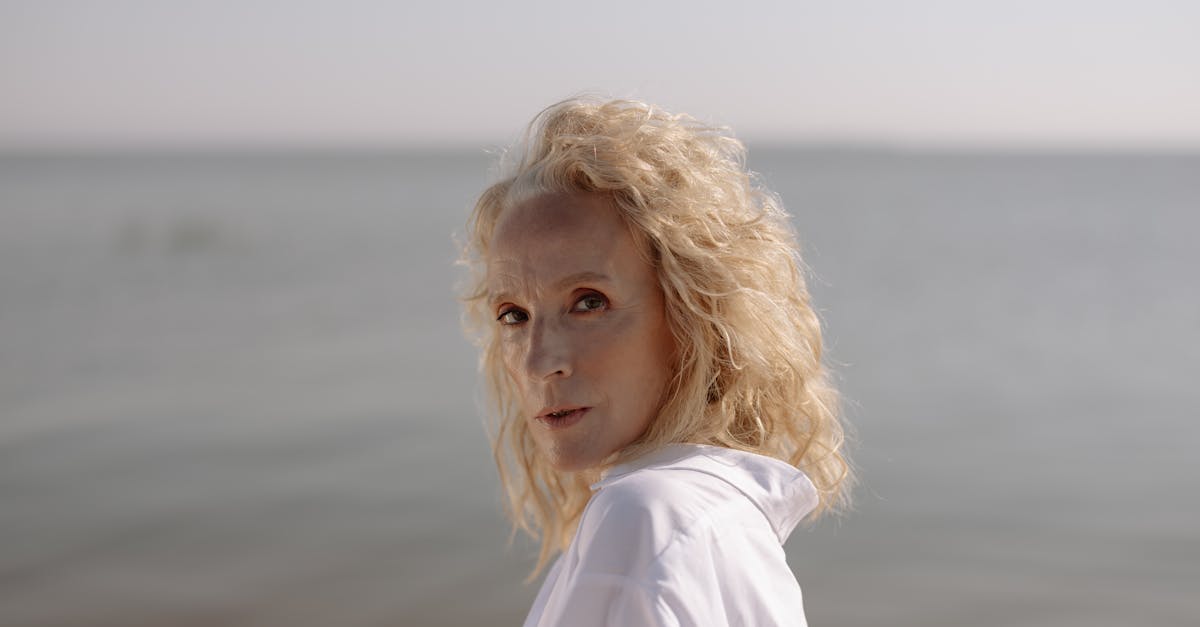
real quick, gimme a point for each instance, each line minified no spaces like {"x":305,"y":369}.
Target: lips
{"x":561,"y":417}
{"x":558,"y":411}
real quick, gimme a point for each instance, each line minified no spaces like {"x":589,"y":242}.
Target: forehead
{"x":557,"y":235}
{"x":557,"y":215}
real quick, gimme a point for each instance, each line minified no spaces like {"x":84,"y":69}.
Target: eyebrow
{"x":586,"y":276}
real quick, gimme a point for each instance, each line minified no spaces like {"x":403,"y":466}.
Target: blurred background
{"x":233,"y":390}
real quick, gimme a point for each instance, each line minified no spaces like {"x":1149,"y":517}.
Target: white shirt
{"x":687,"y":535}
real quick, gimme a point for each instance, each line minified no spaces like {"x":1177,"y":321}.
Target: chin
{"x":572,"y":461}
{"x":563,"y":463}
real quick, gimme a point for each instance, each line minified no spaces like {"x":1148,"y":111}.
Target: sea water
{"x":233,"y":390}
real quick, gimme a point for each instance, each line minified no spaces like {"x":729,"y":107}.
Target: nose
{"x":549,"y":352}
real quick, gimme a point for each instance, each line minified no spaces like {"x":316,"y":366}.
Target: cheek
{"x":658,"y":349}
{"x":509,"y":357}
{"x":507,"y":352}
{"x":643,"y":363}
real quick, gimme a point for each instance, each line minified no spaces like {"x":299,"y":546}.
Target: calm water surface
{"x":233,"y":391}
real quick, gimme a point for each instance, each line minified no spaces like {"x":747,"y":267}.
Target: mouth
{"x":562,"y":417}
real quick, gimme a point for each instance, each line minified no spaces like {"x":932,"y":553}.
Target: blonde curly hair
{"x":748,"y":372}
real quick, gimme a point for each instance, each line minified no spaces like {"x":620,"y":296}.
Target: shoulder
{"x":635,"y":518}
{"x":686,"y":536}
{"x":669,"y":494}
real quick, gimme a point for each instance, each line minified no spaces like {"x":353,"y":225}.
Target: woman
{"x":663,"y":416}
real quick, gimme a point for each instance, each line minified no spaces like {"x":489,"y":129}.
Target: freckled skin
{"x":600,"y":343}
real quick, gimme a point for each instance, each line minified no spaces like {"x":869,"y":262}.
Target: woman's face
{"x":581,"y":326}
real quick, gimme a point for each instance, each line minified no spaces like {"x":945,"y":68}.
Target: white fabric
{"x":688,"y":535}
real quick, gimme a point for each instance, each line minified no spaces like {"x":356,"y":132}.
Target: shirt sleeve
{"x":607,"y":580}
{"x":668,"y":553}
{"x":595,"y":600}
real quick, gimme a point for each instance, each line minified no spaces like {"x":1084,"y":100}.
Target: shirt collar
{"x":782,"y":492}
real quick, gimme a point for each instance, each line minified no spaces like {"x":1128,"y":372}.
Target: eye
{"x":590,"y":302}
{"x":511,"y":316}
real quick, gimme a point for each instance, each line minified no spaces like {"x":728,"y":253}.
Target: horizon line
{"x":483,"y":146}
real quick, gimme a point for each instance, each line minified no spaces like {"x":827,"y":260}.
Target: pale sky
{"x":291,"y":72}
